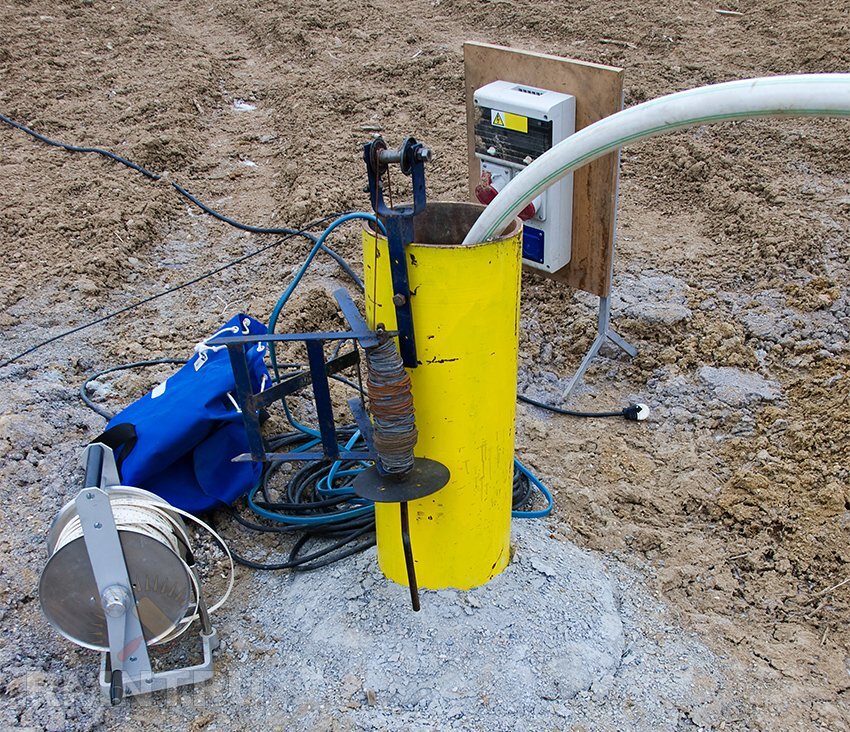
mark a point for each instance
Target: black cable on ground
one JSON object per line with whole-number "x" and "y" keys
{"x": 169, "y": 291}
{"x": 74, "y": 148}
{"x": 107, "y": 415}
{"x": 288, "y": 234}
{"x": 345, "y": 266}
{"x": 152, "y": 176}
{"x": 307, "y": 562}
{"x": 632, "y": 412}
{"x": 301, "y": 498}
{"x": 522, "y": 490}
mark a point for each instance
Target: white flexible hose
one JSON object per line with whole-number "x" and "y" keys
{"x": 813, "y": 95}
{"x": 154, "y": 517}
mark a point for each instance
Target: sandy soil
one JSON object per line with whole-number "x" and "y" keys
{"x": 731, "y": 277}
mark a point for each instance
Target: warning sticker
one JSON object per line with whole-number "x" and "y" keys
{"x": 508, "y": 121}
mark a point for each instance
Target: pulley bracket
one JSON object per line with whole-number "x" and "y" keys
{"x": 398, "y": 220}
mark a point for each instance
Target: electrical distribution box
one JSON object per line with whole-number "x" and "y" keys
{"x": 514, "y": 125}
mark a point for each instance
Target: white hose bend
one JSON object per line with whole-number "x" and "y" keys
{"x": 813, "y": 95}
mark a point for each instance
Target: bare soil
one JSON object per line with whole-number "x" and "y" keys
{"x": 734, "y": 500}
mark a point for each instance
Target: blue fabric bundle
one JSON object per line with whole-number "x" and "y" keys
{"x": 178, "y": 440}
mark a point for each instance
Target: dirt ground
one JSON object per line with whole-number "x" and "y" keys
{"x": 731, "y": 278}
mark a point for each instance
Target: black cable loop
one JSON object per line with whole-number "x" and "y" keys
{"x": 288, "y": 234}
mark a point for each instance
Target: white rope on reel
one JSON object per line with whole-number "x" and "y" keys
{"x": 140, "y": 512}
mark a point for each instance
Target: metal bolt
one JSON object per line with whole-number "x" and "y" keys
{"x": 399, "y": 299}
{"x": 98, "y": 525}
{"x": 89, "y": 496}
{"x": 424, "y": 154}
{"x": 114, "y": 601}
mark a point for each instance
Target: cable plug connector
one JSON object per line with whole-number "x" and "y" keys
{"x": 636, "y": 412}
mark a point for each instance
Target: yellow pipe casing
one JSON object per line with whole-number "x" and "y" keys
{"x": 465, "y": 304}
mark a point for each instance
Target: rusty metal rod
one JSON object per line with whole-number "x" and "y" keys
{"x": 408, "y": 556}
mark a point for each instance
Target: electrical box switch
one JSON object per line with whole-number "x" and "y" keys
{"x": 514, "y": 125}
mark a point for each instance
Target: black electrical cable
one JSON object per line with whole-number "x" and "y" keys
{"x": 74, "y": 148}
{"x": 123, "y": 367}
{"x": 521, "y": 490}
{"x": 275, "y": 528}
{"x": 631, "y": 412}
{"x": 349, "y": 383}
{"x": 170, "y": 290}
{"x": 245, "y": 227}
{"x": 345, "y": 266}
{"x": 303, "y": 563}
{"x": 152, "y": 176}
{"x": 301, "y": 499}
{"x": 288, "y": 233}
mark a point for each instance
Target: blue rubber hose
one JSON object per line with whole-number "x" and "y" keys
{"x": 287, "y": 293}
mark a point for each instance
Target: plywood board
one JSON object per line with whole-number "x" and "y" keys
{"x": 599, "y": 92}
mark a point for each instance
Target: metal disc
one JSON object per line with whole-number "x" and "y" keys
{"x": 426, "y": 477}
{"x": 70, "y": 600}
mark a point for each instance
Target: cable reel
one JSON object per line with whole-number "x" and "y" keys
{"x": 121, "y": 577}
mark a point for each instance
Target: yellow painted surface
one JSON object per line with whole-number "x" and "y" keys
{"x": 466, "y": 319}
